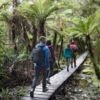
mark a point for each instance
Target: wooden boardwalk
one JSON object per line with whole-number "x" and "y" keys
{"x": 56, "y": 82}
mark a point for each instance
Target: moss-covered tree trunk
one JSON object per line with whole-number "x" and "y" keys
{"x": 34, "y": 40}
{"x": 61, "y": 50}
{"x": 25, "y": 36}
{"x": 81, "y": 45}
{"x": 15, "y": 3}
{"x": 89, "y": 45}
{"x": 41, "y": 28}
{"x": 55, "y": 40}
{"x": 14, "y": 32}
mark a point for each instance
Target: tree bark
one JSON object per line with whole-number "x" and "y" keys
{"x": 34, "y": 40}
{"x": 55, "y": 40}
{"x": 89, "y": 45}
{"x": 41, "y": 28}
{"x": 60, "y": 51}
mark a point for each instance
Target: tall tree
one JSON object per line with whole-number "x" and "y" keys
{"x": 86, "y": 27}
{"x": 38, "y": 12}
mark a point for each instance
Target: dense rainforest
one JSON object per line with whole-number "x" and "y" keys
{"x": 22, "y": 22}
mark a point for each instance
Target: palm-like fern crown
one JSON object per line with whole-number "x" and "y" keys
{"x": 5, "y": 14}
{"x": 38, "y": 11}
{"x": 85, "y": 26}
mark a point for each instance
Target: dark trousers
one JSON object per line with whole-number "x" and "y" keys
{"x": 50, "y": 70}
{"x": 68, "y": 62}
{"x": 38, "y": 73}
{"x": 74, "y": 59}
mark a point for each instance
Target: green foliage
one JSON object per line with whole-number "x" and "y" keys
{"x": 85, "y": 26}
{"x": 97, "y": 49}
{"x": 14, "y": 94}
{"x": 25, "y": 10}
{"x": 5, "y": 94}
{"x": 20, "y": 92}
{"x": 38, "y": 11}
{"x": 4, "y": 17}
{"x": 5, "y": 14}
{"x": 2, "y": 72}
{"x": 23, "y": 55}
{"x": 63, "y": 16}
{"x": 1, "y": 51}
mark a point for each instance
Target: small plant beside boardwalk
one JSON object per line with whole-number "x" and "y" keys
{"x": 12, "y": 94}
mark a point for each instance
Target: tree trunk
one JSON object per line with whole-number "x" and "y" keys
{"x": 61, "y": 50}
{"x": 26, "y": 37}
{"x": 89, "y": 45}
{"x": 15, "y": 3}
{"x": 80, "y": 45}
{"x": 55, "y": 40}
{"x": 41, "y": 29}
{"x": 34, "y": 40}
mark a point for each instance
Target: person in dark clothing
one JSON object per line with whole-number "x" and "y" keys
{"x": 51, "y": 59}
{"x": 41, "y": 67}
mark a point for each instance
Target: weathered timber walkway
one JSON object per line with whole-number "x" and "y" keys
{"x": 56, "y": 82}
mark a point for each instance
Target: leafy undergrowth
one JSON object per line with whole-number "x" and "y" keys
{"x": 90, "y": 71}
{"x": 12, "y": 94}
{"x": 81, "y": 86}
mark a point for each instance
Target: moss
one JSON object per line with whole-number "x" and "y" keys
{"x": 96, "y": 82}
{"x": 88, "y": 71}
{"x": 83, "y": 83}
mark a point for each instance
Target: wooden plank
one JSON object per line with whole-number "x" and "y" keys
{"x": 28, "y": 98}
{"x": 56, "y": 81}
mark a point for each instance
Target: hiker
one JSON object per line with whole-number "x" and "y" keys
{"x": 51, "y": 60}
{"x": 41, "y": 64}
{"x": 68, "y": 54}
{"x": 74, "y": 48}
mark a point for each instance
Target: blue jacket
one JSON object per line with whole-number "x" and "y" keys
{"x": 68, "y": 53}
{"x": 45, "y": 63}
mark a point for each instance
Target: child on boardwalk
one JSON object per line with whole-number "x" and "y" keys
{"x": 68, "y": 54}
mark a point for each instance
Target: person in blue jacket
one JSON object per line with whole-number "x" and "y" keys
{"x": 68, "y": 54}
{"x": 41, "y": 67}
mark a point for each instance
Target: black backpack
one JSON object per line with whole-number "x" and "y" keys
{"x": 37, "y": 54}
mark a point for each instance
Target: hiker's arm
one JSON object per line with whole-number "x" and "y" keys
{"x": 64, "y": 53}
{"x": 47, "y": 58}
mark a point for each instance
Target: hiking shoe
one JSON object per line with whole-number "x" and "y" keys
{"x": 31, "y": 94}
{"x": 45, "y": 89}
{"x": 74, "y": 65}
{"x": 67, "y": 70}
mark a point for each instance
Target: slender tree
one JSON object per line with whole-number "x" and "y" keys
{"x": 38, "y": 12}
{"x": 86, "y": 27}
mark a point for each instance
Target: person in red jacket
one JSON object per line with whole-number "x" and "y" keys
{"x": 74, "y": 48}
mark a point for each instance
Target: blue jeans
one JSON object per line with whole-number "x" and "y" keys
{"x": 38, "y": 73}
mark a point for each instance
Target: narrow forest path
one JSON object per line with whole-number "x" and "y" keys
{"x": 57, "y": 81}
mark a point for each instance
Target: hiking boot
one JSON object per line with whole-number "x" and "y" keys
{"x": 45, "y": 89}
{"x": 75, "y": 65}
{"x": 31, "y": 94}
{"x": 71, "y": 66}
{"x": 67, "y": 70}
